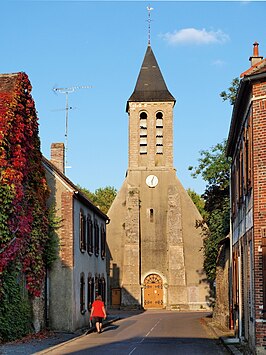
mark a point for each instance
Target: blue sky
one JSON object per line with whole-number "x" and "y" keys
{"x": 200, "y": 47}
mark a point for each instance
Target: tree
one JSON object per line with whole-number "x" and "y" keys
{"x": 214, "y": 168}
{"x": 232, "y": 92}
{"x": 198, "y": 202}
{"x": 102, "y": 197}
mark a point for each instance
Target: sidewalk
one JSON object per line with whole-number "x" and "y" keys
{"x": 43, "y": 342}
{"x": 227, "y": 337}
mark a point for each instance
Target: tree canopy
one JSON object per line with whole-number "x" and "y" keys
{"x": 214, "y": 168}
{"x": 102, "y": 197}
{"x": 231, "y": 92}
{"x": 198, "y": 202}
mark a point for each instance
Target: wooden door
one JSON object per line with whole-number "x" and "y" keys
{"x": 153, "y": 292}
{"x": 116, "y": 297}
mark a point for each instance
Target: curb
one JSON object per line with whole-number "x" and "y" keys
{"x": 90, "y": 330}
{"x": 227, "y": 341}
{"x": 229, "y": 344}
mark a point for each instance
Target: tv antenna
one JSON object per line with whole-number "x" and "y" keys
{"x": 67, "y": 91}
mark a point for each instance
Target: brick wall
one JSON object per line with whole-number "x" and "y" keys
{"x": 259, "y": 190}
{"x": 58, "y": 156}
{"x": 66, "y": 232}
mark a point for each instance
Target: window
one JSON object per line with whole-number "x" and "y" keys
{"x": 96, "y": 238}
{"x": 159, "y": 133}
{"x": 143, "y": 138}
{"x": 82, "y": 294}
{"x": 245, "y": 163}
{"x": 82, "y": 231}
{"x": 103, "y": 241}
{"x": 241, "y": 168}
{"x": 90, "y": 291}
{"x": 233, "y": 190}
{"x": 89, "y": 235}
{"x": 247, "y": 157}
{"x": 102, "y": 288}
{"x": 151, "y": 215}
{"x": 96, "y": 286}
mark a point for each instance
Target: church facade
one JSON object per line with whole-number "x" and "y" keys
{"x": 155, "y": 250}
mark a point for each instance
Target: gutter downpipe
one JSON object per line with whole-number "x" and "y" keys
{"x": 231, "y": 308}
{"x": 240, "y": 315}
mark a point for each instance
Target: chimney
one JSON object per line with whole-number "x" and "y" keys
{"x": 255, "y": 58}
{"x": 58, "y": 156}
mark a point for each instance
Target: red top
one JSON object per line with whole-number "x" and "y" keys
{"x": 98, "y": 309}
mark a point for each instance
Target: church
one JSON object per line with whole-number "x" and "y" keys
{"x": 155, "y": 250}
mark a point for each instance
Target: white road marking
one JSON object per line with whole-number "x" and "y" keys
{"x": 149, "y": 332}
{"x": 132, "y": 350}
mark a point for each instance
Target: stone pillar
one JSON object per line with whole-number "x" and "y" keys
{"x": 177, "y": 291}
{"x": 131, "y": 293}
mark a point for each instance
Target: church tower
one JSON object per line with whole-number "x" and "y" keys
{"x": 156, "y": 258}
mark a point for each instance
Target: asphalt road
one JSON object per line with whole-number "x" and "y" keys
{"x": 152, "y": 332}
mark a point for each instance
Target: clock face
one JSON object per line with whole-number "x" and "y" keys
{"x": 151, "y": 180}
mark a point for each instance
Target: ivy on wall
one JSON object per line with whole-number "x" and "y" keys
{"x": 15, "y": 307}
{"x": 24, "y": 220}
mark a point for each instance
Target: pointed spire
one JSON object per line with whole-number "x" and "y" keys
{"x": 255, "y": 58}
{"x": 150, "y": 84}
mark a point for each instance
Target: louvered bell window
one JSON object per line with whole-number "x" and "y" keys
{"x": 143, "y": 137}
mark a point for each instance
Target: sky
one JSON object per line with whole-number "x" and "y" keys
{"x": 97, "y": 47}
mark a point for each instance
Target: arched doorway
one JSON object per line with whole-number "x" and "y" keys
{"x": 153, "y": 292}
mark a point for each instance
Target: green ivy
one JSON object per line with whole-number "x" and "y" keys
{"x": 51, "y": 250}
{"x": 15, "y": 308}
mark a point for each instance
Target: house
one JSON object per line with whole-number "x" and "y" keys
{"x": 79, "y": 273}
{"x": 156, "y": 254}
{"x": 247, "y": 148}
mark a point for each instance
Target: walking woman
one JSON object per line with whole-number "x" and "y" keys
{"x": 98, "y": 313}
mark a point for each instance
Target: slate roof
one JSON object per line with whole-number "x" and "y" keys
{"x": 150, "y": 86}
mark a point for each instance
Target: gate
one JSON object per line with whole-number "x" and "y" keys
{"x": 153, "y": 292}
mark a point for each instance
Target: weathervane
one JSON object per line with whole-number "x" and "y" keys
{"x": 149, "y": 8}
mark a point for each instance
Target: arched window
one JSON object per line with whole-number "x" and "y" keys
{"x": 143, "y": 138}
{"x": 89, "y": 235}
{"x": 82, "y": 294}
{"x": 159, "y": 133}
